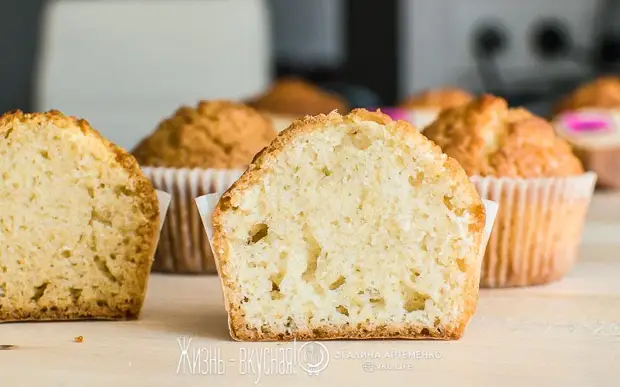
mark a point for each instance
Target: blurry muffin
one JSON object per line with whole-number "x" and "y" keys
{"x": 291, "y": 98}
{"x": 424, "y": 107}
{"x": 194, "y": 152}
{"x": 215, "y": 134}
{"x": 589, "y": 118}
{"x": 514, "y": 157}
{"x": 602, "y": 93}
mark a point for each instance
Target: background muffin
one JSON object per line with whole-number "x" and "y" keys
{"x": 215, "y": 134}
{"x": 603, "y": 93}
{"x": 291, "y": 98}
{"x": 194, "y": 152}
{"x": 515, "y": 158}
{"x": 589, "y": 118}
{"x": 424, "y": 107}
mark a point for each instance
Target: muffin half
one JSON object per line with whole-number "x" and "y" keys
{"x": 79, "y": 222}
{"x": 351, "y": 227}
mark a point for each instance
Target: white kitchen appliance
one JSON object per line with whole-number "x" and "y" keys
{"x": 124, "y": 65}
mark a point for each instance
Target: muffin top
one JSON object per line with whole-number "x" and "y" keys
{"x": 215, "y": 134}
{"x": 297, "y": 98}
{"x": 603, "y": 92}
{"x": 438, "y": 99}
{"x": 489, "y": 139}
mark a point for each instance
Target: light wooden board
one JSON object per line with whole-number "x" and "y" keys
{"x": 564, "y": 334}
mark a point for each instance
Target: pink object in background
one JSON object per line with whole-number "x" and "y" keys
{"x": 395, "y": 113}
{"x": 588, "y": 122}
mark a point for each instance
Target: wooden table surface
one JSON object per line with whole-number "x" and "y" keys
{"x": 564, "y": 334}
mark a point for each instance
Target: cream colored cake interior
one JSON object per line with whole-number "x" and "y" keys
{"x": 70, "y": 227}
{"x": 350, "y": 225}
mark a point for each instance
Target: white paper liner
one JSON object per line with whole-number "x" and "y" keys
{"x": 422, "y": 117}
{"x": 183, "y": 247}
{"x": 538, "y": 228}
{"x": 206, "y": 204}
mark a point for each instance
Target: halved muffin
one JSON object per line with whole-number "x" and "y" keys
{"x": 79, "y": 222}
{"x": 353, "y": 227}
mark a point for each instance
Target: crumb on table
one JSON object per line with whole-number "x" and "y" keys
{"x": 78, "y": 339}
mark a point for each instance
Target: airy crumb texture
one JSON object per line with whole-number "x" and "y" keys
{"x": 78, "y": 222}
{"x": 215, "y": 134}
{"x": 603, "y": 92}
{"x": 352, "y": 227}
{"x": 443, "y": 98}
{"x": 297, "y": 98}
{"x": 489, "y": 139}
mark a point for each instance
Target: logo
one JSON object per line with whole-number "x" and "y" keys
{"x": 313, "y": 358}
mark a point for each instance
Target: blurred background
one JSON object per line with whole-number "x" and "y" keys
{"x": 125, "y": 64}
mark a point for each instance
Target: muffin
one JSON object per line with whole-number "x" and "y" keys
{"x": 423, "y": 108}
{"x": 589, "y": 118}
{"x": 291, "y": 98}
{"x": 194, "y": 152}
{"x": 79, "y": 222}
{"x": 515, "y": 158}
{"x": 350, "y": 227}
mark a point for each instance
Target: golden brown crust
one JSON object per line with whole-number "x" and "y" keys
{"x": 215, "y": 134}
{"x": 238, "y": 329}
{"x": 297, "y": 98}
{"x": 147, "y": 199}
{"x": 443, "y": 98}
{"x": 489, "y": 139}
{"x": 603, "y": 92}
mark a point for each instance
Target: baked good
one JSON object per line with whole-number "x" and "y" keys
{"x": 595, "y": 137}
{"x": 442, "y": 98}
{"x": 290, "y": 98}
{"x": 516, "y": 158}
{"x": 489, "y": 139}
{"x": 349, "y": 227}
{"x": 78, "y": 222}
{"x": 601, "y": 93}
{"x": 424, "y": 107}
{"x": 589, "y": 118}
{"x": 215, "y": 134}
{"x": 194, "y": 152}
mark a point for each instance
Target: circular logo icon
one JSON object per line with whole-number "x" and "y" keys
{"x": 313, "y": 357}
{"x": 368, "y": 366}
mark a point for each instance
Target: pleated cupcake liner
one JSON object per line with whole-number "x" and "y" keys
{"x": 538, "y": 228}
{"x": 183, "y": 246}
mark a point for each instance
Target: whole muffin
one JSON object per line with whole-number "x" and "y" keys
{"x": 589, "y": 118}
{"x": 602, "y": 93}
{"x": 194, "y": 152}
{"x": 424, "y": 107}
{"x": 291, "y": 98}
{"x": 215, "y": 134}
{"x": 515, "y": 158}
{"x": 443, "y": 98}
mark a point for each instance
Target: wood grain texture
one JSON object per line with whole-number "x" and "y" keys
{"x": 564, "y": 334}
